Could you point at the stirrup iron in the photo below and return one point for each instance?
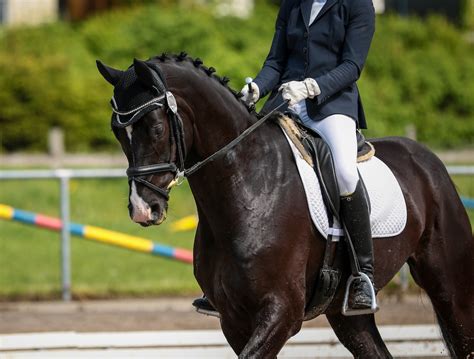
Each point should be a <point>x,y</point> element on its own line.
<point>345,305</point>
<point>211,313</point>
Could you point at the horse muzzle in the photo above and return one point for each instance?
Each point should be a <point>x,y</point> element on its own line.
<point>143,212</point>
<point>146,216</point>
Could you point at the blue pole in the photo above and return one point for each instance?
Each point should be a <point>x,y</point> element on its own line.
<point>468,202</point>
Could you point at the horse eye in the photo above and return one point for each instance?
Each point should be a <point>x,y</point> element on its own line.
<point>158,129</point>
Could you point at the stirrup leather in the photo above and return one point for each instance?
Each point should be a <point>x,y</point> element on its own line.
<point>345,305</point>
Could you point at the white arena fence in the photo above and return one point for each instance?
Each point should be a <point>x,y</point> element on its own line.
<point>409,341</point>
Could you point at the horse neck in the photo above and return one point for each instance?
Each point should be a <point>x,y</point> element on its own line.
<point>215,116</point>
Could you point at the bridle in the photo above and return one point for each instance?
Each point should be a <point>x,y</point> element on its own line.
<point>167,100</point>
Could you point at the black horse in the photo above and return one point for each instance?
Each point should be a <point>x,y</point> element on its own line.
<point>256,253</point>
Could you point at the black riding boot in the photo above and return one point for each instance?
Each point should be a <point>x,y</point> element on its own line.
<point>355,214</point>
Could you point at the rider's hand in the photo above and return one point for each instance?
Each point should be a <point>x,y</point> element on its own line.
<point>296,91</point>
<point>248,97</point>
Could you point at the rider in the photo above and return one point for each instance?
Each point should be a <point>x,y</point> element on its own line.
<point>318,51</point>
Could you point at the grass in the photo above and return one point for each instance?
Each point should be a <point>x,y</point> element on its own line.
<point>30,257</point>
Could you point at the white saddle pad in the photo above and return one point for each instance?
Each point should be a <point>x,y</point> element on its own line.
<point>388,208</point>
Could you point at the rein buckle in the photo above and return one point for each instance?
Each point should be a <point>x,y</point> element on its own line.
<point>177,181</point>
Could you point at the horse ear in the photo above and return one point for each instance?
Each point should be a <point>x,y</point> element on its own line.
<point>111,75</point>
<point>144,73</point>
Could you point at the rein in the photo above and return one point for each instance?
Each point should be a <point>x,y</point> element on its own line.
<point>166,99</point>
<point>188,172</point>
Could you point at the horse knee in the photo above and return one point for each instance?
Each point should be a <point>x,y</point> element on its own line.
<point>275,323</point>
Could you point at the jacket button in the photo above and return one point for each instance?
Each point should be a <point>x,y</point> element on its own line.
<point>305,34</point>
<point>305,50</point>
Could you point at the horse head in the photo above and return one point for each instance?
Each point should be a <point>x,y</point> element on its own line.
<point>150,132</point>
<point>170,111</point>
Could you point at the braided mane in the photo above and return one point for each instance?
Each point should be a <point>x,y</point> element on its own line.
<point>209,71</point>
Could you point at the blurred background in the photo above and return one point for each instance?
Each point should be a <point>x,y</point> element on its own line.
<point>54,113</point>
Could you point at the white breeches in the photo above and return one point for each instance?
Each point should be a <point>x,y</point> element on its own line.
<point>339,132</point>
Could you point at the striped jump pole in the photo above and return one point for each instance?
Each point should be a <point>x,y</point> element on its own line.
<point>468,202</point>
<point>97,234</point>
<point>184,224</point>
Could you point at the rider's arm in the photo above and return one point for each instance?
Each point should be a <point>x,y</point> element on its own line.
<point>275,63</point>
<point>359,33</point>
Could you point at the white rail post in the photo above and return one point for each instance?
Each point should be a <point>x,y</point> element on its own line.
<point>64,177</point>
<point>405,277</point>
<point>56,146</point>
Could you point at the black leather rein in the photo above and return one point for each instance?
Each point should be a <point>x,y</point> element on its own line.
<point>188,172</point>
<point>166,99</point>
<point>135,173</point>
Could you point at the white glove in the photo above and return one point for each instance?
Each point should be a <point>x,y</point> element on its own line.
<point>296,91</point>
<point>250,97</point>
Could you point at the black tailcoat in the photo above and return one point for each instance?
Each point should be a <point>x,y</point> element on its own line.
<point>332,50</point>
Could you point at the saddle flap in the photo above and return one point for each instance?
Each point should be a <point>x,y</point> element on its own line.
<point>324,168</point>
<point>317,154</point>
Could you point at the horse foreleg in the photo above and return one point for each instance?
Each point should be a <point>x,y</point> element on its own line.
<point>359,335</point>
<point>274,324</point>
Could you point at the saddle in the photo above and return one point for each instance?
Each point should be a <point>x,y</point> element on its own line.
<point>316,153</point>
